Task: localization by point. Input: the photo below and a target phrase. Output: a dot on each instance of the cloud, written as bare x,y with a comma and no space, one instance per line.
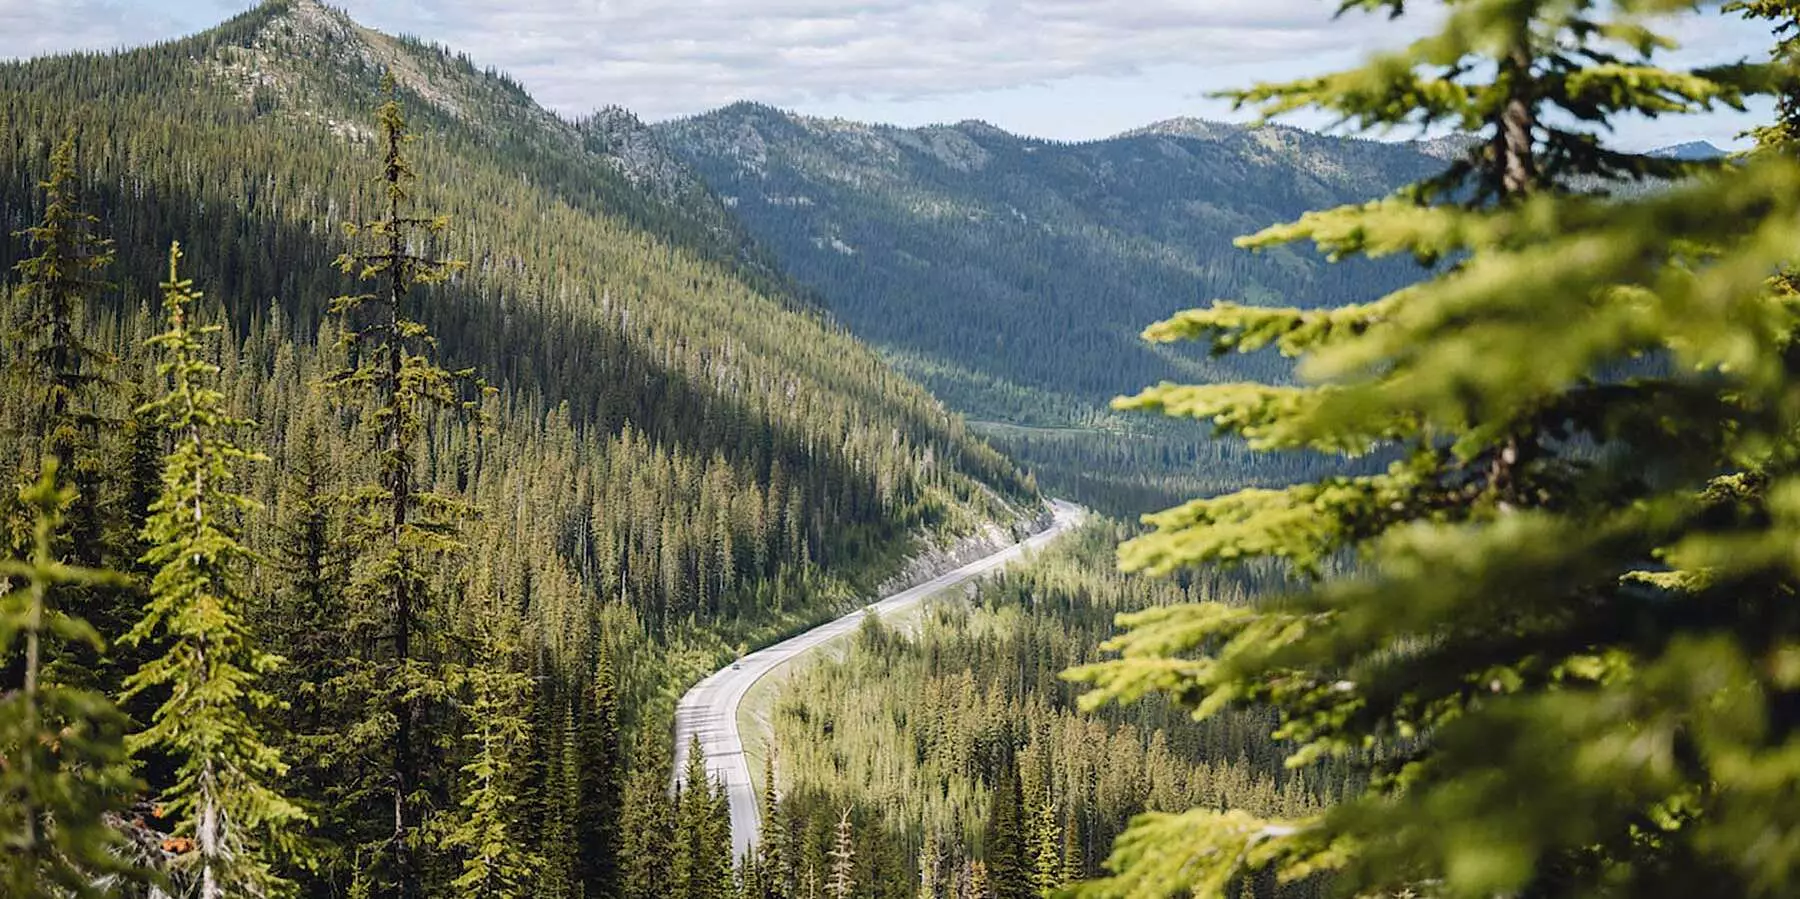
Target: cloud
665,58
671,57
36,27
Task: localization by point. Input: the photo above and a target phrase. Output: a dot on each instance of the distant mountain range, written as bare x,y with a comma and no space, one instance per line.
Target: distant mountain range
1012,274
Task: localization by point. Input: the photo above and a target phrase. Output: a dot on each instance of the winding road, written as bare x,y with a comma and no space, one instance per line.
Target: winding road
710,709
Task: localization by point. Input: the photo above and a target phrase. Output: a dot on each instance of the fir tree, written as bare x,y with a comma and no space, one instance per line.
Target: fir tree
700,867
774,854
1008,870
497,860
60,374
63,767
1558,651
224,796
1045,850
842,883
599,787
398,526
646,825
52,363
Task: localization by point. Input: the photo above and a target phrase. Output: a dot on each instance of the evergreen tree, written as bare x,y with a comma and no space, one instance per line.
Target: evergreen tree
398,526
774,854
646,825
52,363
1558,650
224,796
1074,863
1045,850
598,807
701,864
59,373
63,768
931,868
497,860
842,884
1008,870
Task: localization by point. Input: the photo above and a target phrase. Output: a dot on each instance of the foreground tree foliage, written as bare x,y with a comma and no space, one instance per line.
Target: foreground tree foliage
63,770
1566,649
231,817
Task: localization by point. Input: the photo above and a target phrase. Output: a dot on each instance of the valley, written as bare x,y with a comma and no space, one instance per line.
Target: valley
410,489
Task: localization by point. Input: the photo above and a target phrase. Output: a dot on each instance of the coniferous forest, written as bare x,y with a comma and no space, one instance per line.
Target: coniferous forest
385,456
369,533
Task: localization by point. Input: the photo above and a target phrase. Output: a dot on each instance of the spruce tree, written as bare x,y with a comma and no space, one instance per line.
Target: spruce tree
64,776
52,364
60,374
1008,870
224,798
599,785
774,854
1045,850
1556,632
497,859
646,824
398,526
842,882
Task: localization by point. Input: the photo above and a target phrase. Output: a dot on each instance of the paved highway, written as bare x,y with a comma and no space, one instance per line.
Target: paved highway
710,709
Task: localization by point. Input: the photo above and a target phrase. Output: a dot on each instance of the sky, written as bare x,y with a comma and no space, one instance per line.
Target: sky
1061,69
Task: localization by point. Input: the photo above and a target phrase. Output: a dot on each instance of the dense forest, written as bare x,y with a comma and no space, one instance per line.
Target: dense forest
396,507
1012,276
960,758
384,455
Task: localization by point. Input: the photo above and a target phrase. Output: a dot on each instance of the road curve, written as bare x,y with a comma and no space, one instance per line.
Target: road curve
710,709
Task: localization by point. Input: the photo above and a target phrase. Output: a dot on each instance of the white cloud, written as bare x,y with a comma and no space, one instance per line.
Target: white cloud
663,58
36,27
669,57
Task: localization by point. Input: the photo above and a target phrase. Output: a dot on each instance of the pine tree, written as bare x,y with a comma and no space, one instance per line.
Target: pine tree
224,796
497,858
399,526
1045,850
774,855
53,364
646,825
842,884
701,864
597,811
1008,870
1558,650
63,768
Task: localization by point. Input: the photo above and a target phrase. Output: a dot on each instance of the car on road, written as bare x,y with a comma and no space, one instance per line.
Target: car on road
736,666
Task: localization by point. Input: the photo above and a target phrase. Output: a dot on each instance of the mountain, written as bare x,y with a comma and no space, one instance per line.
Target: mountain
1013,275
680,455
1694,149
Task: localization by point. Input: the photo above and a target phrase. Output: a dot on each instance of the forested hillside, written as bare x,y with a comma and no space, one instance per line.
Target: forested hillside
1012,276
963,763
609,448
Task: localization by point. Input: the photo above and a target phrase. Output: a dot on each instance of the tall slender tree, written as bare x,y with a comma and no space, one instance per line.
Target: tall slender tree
399,526
842,882
224,797
599,784
1554,630
52,363
1008,868
498,861
63,767
646,824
